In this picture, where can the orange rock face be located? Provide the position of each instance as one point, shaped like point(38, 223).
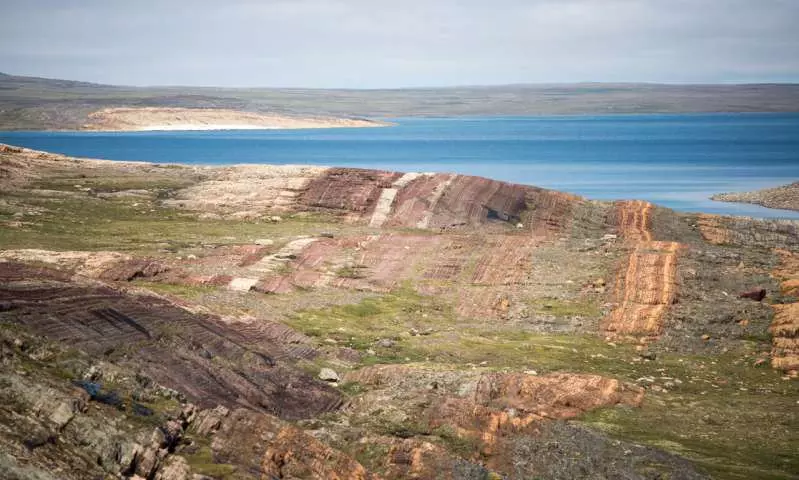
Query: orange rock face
point(647, 285)
point(644, 290)
point(506, 404)
point(785, 332)
point(501, 405)
point(785, 327)
point(712, 229)
point(295, 454)
point(558, 395)
point(633, 220)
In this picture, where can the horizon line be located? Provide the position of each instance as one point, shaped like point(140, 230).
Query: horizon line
point(440, 87)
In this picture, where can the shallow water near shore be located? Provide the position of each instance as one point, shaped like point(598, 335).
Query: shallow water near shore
point(677, 161)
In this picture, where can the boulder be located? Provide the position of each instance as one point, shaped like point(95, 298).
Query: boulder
point(756, 294)
point(328, 375)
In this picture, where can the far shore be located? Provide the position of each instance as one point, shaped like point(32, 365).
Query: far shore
point(133, 119)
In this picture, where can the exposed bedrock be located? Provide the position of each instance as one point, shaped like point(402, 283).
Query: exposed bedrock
point(177, 348)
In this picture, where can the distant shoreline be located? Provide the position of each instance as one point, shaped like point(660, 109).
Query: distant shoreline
point(148, 119)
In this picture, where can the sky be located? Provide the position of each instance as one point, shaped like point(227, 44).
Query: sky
point(406, 43)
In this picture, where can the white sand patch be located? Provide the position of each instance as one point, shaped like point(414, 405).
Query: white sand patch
point(192, 127)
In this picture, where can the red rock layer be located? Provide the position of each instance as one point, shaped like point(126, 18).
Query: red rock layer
point(633, 219)
point(506, 260)
point(551, 211)
point(644, 290)
point(355, 191)
point(647, 285)
point(436, 201)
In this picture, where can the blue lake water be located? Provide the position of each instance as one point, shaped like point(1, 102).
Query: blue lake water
point(673, 160)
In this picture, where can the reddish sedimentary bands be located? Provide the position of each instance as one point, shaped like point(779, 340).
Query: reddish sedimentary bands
point(379, 198)
point(645, 290)
point(633, 219)
point(353, 191)
point(174, 347)
point(506, 260)
point(647, 285)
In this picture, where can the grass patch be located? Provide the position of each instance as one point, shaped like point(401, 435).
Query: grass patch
point(360, 326)
point(354, 272)
point(736, 421)
point(131, 225)
point(202, 462)
point(567, 308)
point(188, 292)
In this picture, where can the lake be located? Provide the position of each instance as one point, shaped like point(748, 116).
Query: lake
point(673, 160)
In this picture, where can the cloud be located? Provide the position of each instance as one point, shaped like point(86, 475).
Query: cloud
point(377, 43)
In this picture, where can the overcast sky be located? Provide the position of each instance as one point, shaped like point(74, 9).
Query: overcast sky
point(398, 43)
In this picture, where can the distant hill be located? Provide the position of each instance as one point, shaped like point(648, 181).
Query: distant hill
point(41, 103)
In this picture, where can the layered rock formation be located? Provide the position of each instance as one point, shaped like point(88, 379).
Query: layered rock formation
point(463, 327)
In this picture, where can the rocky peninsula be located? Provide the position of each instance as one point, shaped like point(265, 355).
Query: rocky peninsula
point(785, 197)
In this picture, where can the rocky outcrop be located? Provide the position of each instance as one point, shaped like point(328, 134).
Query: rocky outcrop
point(785, 197)
point(171, 345)
point(748, 232)
point(633, 220)
point(644, 291)
point(412, 458)
point(295, 454)
point(646, 285)
point(785, 326)
point(53, 428)
point(108, 266)
point(253, 189)
point(499, 405)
